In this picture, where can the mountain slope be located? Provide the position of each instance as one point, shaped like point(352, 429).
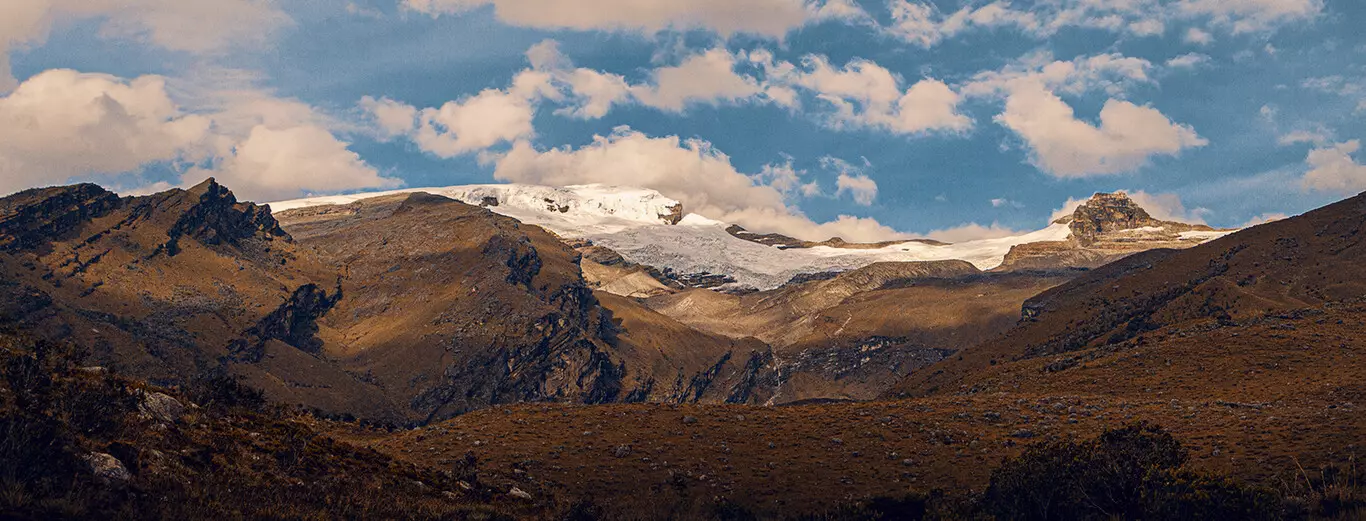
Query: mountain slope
point(1259, 278)
point(451, 308)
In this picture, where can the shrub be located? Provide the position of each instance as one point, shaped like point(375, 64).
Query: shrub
point(1136, 472)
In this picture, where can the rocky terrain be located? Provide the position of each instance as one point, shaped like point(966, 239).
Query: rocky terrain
point(544, 377)
point(1106, 228)
point(1248, 349)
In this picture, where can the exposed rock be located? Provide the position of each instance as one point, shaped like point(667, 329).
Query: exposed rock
point(784, 242)
point(674, 216)
point(216, 217)
point(519, 494)
point(295, 323)
point(106, 467)
point(1105, 228)
point(35, 217)
point(161, 407)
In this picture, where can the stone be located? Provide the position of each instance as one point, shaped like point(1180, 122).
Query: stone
point(519, 494)
point(161, 407)
point(106, 467)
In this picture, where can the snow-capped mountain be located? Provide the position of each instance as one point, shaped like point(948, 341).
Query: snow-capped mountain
point(647, 228)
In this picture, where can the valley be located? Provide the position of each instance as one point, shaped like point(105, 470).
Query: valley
point(433, 331)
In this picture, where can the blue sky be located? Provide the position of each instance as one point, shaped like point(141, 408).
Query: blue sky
point(866, 119)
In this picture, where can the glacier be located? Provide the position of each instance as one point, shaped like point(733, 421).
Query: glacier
point(640, 225)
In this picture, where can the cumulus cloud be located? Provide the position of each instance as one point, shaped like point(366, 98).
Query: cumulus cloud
point(1064, 146)
point(273, 164)
point(772, 18)
point(1112, 73)
point(1188, 61)
point(924, 25)
point(1317, 137)
point(1197, 36)
point(1127, 135)
point(197, 26)
point(62, 124)
point(921, 23)
point(973, 232)
point(861, 187)
point(468, 125)
point(709, 77)
point(691, 171)
point(1245, 16)
point(864, 95)
point(1332, 169)
point(1264, 218)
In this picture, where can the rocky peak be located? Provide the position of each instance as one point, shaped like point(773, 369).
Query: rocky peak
point(35, 217)
point(1107, 213)
point(216, 217)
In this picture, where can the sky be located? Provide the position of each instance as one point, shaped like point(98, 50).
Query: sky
point(864, 119)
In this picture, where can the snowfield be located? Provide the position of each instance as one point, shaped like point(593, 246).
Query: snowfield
point(634, 223)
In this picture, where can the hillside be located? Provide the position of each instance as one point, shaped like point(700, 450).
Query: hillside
point(1278, 273)
point(1248, 349)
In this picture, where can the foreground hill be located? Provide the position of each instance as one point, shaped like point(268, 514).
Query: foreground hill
point(402, 309)
point(1249, 349)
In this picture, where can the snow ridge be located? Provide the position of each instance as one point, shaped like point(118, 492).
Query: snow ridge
point(638, 224)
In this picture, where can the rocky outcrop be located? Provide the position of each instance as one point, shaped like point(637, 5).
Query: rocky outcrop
point(215, 217)
point(784, 242)
point(36, 217)
point(295, 323)
point(1105, 228)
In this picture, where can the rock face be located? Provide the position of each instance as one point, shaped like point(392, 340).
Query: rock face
point(853, 335)
point(1106, 228)
point(784, 242)
point(451, 308)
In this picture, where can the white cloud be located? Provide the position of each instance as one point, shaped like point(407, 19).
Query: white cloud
point(468, 125)
point(921, 23)
point(864, 94)
point(772, 18)
point(1196, 36)
point(1332, 169)
point(703, 78)
point(1264, 218)
point(1188, 61)
point(973, 232)
point(1064, 146)
point(274, 164)
point(861, 187)
point(393, 118)
point(1245, 16)
point(691, 171)
point(1317, 137)
point(198, 26)
point(62, 124)
point(1111, 73)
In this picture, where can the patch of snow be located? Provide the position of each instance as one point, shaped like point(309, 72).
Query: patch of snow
point(1206, 236)
point(628, 220)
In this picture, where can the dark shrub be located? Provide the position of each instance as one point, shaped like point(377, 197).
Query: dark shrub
point(1135, 472)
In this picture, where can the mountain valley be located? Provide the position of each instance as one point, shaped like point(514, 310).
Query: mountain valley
point(434, 331)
